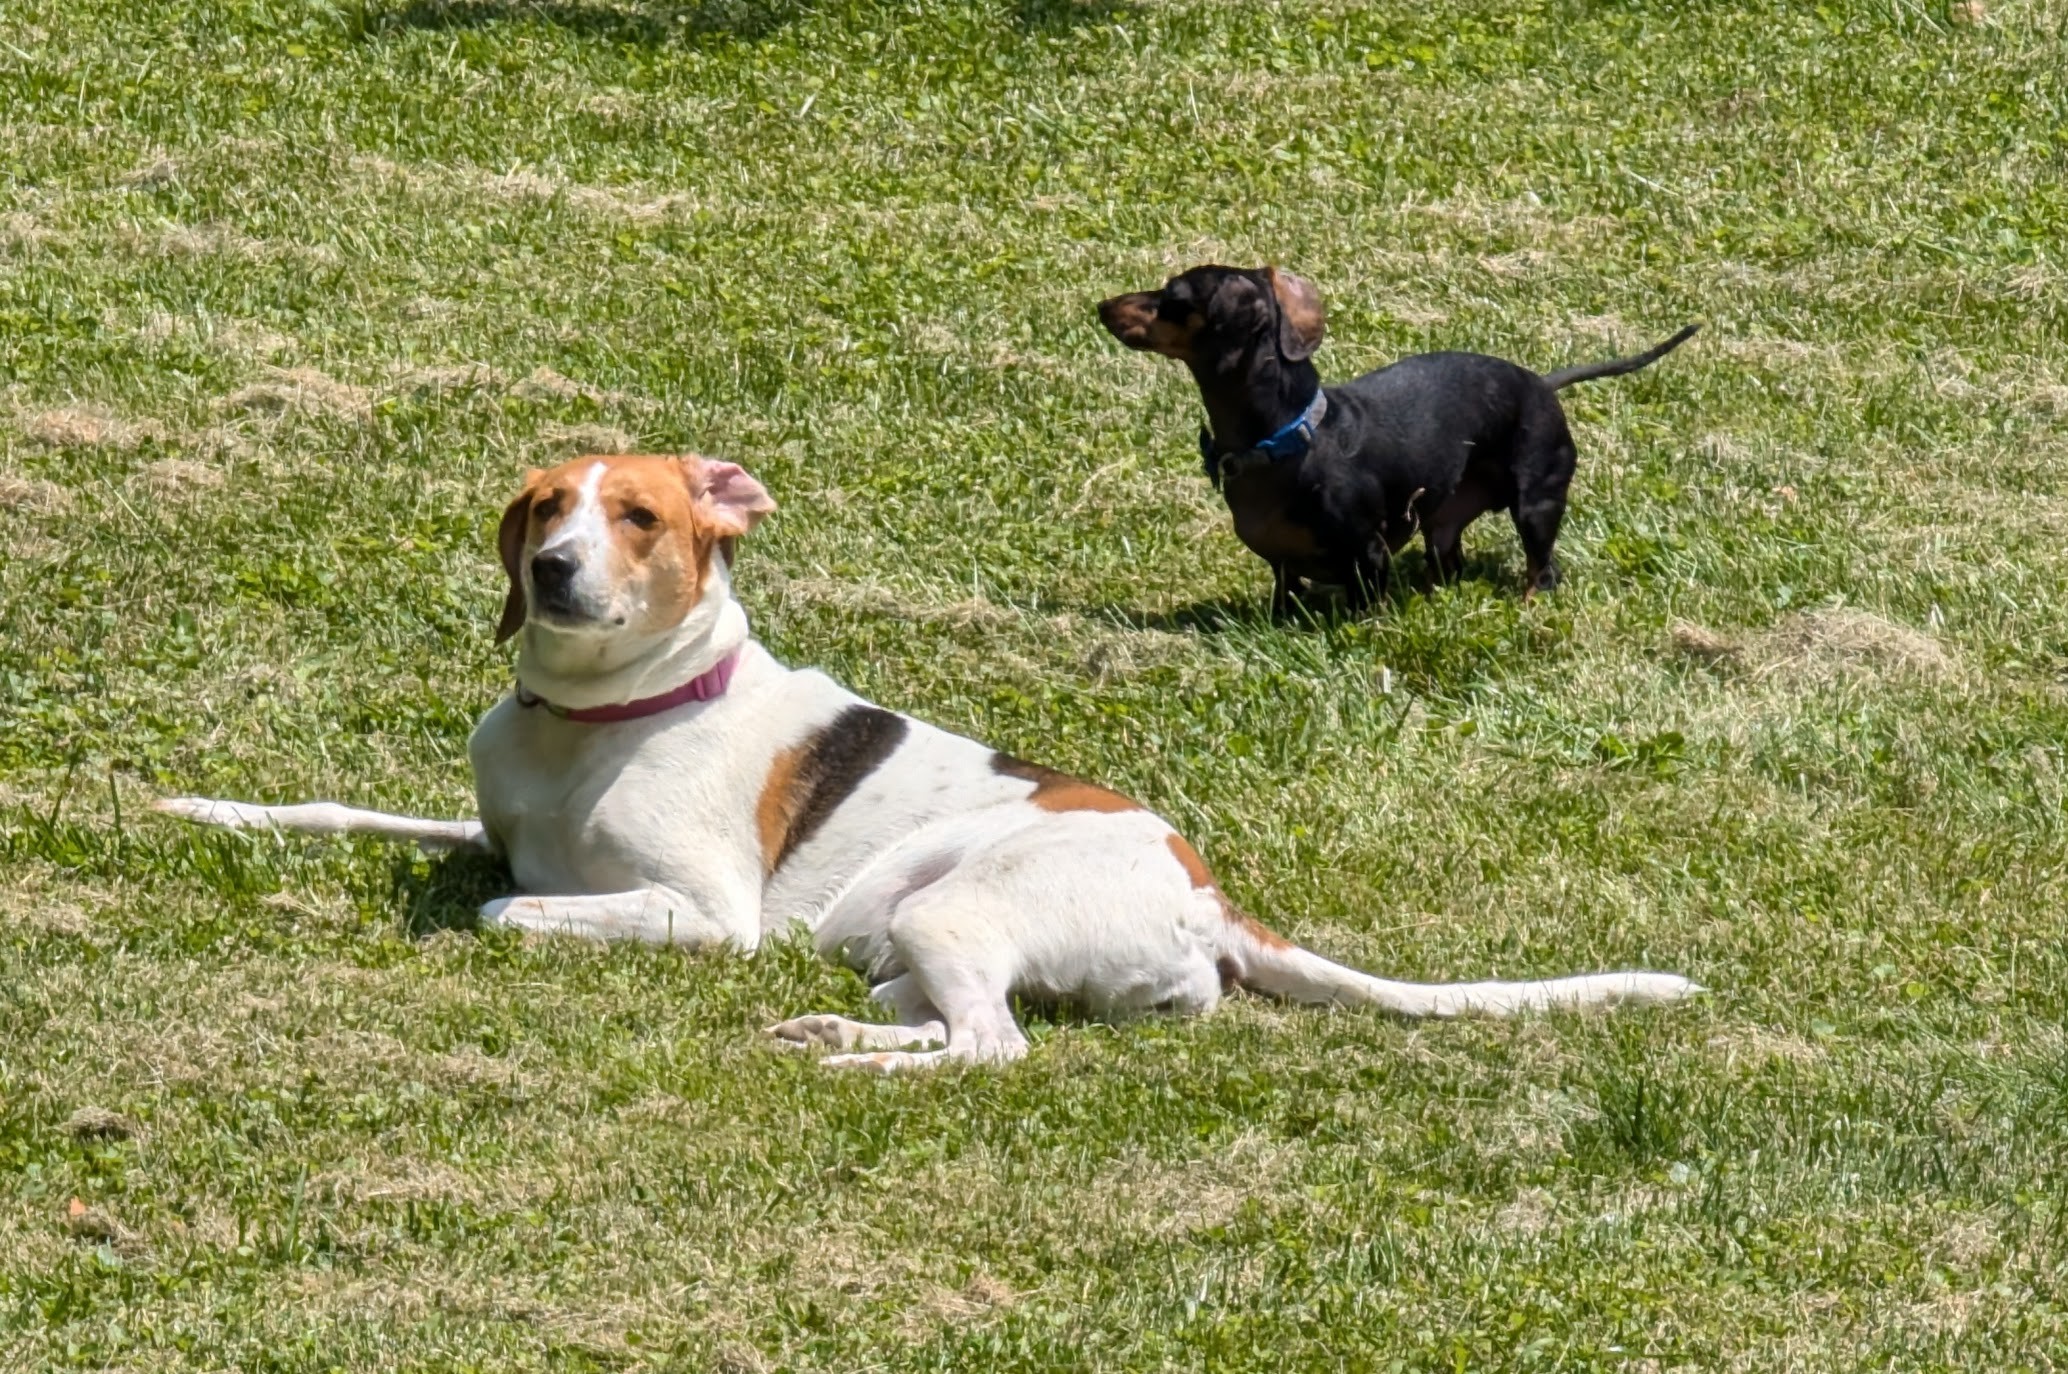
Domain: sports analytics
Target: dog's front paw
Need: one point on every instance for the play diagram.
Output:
(526, 912)
(228, 815)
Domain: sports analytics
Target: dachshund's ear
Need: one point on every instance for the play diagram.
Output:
(509, 542)
(1301, 320)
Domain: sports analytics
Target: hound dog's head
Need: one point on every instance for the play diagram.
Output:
(624, 545)
(1215, 316)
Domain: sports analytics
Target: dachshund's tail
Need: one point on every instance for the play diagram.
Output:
(1587, 372)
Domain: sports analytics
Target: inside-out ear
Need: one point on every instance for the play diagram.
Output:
(509, 542)
(731, 500)
(1301, 320)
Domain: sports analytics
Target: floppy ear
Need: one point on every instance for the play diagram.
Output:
(731, 500)
(509, 542)
(1301, 320)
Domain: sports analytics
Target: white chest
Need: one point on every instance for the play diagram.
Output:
(578, 810)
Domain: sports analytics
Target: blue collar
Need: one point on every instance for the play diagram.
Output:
(1291, 441)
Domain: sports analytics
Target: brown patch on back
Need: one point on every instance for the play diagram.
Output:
(1203, 879)
(1255, 929)
(1188, 858)
(808, 781)
(1056, 791)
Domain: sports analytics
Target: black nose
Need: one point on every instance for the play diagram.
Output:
(552, 575)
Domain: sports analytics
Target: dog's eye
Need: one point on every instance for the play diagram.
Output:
(547, 509)
(642, 518)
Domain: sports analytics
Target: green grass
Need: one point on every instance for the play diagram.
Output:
(277, 283)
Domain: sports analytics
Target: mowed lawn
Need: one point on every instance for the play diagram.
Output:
(291, 295)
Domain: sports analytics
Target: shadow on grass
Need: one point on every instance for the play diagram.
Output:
(448, 893)
(654, 24)
(1321, 608)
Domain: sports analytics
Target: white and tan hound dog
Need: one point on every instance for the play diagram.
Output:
(658, 776)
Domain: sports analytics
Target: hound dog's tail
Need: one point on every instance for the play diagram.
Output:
(1268, 963)
(1587, 372)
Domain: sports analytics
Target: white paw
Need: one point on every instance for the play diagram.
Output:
(229, 815)
(883, 1061)
(521, 913)
(831, 1032)
(530, 914)
(887, 1061)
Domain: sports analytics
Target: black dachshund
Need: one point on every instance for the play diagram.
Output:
(1327, 484)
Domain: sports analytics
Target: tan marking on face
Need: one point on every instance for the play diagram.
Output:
(1133, 319)
(658, 538)
(1172, 340)
(554, 496)
(659, 530)
(1054, 791)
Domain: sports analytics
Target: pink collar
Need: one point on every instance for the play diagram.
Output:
(703, 687)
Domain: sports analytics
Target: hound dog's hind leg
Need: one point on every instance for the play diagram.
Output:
(961, 962)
